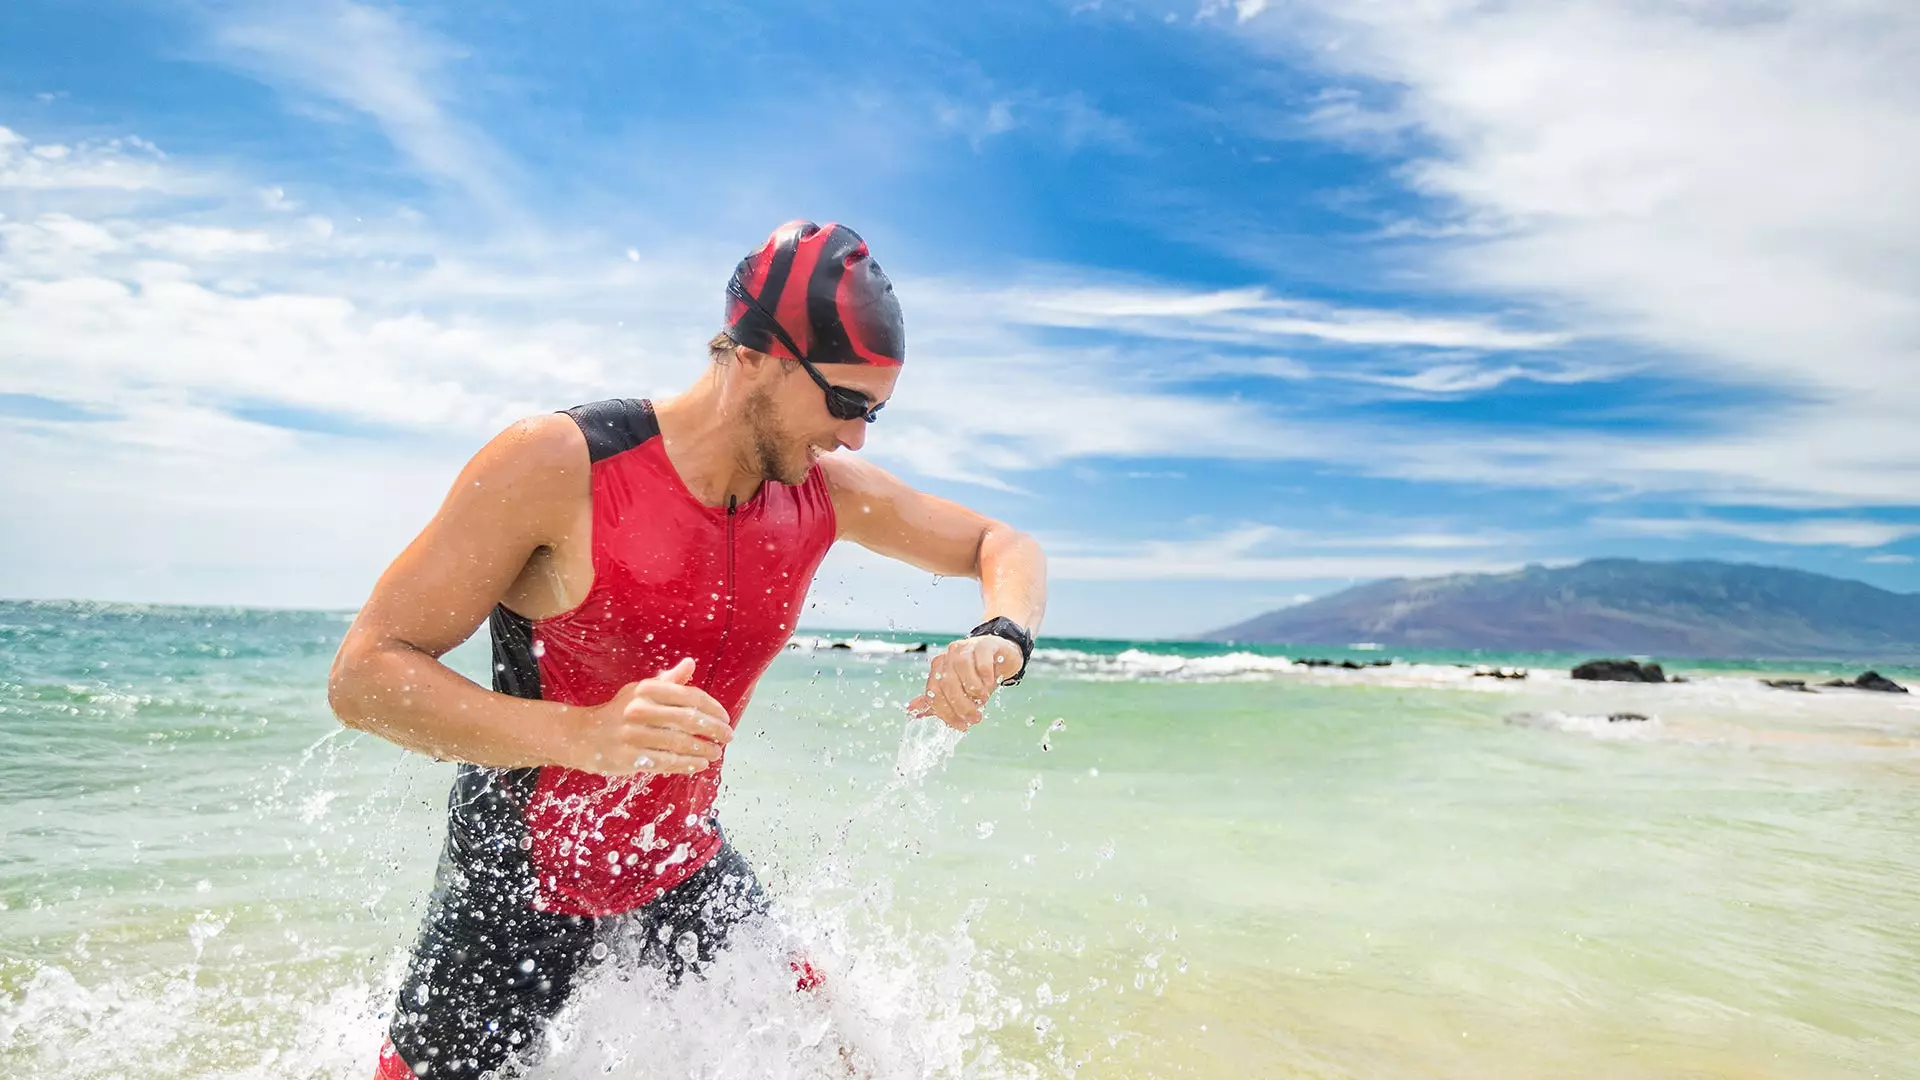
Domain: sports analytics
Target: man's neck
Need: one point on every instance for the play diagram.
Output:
(700, 437)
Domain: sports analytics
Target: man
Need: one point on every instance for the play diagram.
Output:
(640, 566)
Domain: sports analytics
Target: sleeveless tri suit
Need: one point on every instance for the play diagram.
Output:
(541, 864)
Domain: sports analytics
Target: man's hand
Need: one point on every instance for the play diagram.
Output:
(963, 677)
(657, 725)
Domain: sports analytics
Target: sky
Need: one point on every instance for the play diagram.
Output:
(1229, 304)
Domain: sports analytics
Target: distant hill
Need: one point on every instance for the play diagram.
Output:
(1692, 609)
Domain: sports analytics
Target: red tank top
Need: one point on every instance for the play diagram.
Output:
(672, 577)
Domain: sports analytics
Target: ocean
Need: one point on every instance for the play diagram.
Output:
(1152, 860)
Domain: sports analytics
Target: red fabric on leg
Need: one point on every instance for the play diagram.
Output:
(391, 1067)
(806, 977)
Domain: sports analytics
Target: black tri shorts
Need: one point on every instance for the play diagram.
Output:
(488, 972)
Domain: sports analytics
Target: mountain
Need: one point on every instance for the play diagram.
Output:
(1693, 609)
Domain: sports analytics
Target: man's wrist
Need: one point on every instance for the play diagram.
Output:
(1002, 627)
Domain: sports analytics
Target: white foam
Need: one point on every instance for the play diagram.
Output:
(1595, 727)
(855, 646)
(892, 1006)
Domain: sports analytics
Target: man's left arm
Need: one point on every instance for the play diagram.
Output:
(882, 514)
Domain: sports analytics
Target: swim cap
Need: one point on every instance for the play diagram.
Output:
(828, 294)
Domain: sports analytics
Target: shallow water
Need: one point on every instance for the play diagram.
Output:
(1189, 861)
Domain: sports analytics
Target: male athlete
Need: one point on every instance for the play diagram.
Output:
(639, 565)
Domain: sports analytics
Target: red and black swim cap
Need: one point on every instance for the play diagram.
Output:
(828, 294)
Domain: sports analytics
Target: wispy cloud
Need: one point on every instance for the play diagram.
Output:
(1838, 532)
(378, 64)
(1064, 121)
(1732, 193)
(128, 164)
(1273, 553)
(1249, 316)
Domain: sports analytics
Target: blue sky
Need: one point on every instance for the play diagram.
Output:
(1229, 303)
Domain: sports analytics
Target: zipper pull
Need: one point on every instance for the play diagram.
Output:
(730, 502)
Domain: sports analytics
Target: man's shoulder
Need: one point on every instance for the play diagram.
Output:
(849, 477)
(845, 472)
(536, 449)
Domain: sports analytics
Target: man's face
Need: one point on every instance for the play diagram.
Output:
(787, 418)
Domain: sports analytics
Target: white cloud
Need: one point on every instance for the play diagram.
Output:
(127, 164)
(1069, 121)
(1243, 10)
(376, 63)
(1889, 560)
(1249, 316)
(1173, 564)
(1463, 377)
(1272, 553)
(1840, 532)
(1732, 188)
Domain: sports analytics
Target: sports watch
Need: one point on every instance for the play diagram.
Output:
(1003, 627)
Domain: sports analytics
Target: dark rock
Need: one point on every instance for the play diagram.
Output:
(1836, 682)
(1500, 673)
(1789, 684)
(1619, 671)
(839, 645)
(1623, 717)
(1314, 663)
(922, 647)
(1873, 680)
(1351, 666)
(1379, 663)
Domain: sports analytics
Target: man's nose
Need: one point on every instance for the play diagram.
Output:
(853, 434)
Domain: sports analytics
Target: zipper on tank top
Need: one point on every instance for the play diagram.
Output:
(726, 623)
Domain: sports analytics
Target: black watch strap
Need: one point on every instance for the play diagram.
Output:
(1003, 627)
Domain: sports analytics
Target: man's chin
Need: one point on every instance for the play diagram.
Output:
(794, 473)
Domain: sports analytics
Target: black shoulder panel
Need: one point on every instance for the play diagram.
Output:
(615, 425)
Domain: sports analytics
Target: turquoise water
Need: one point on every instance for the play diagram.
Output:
(1153, 860)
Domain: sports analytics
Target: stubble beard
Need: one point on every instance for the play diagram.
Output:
(770, 442)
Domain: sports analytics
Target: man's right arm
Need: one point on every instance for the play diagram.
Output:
(520, 494)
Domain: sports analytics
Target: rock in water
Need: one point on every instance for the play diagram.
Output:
(1789, 684)
(1619, 671)
(1624, 717)
(1873, 680)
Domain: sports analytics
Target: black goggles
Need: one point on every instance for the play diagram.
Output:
(843, 402)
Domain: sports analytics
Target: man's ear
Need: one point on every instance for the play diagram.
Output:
(755, 360)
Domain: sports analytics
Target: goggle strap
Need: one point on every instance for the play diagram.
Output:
(773, 323)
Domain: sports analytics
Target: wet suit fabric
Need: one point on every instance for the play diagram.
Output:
(539, 862)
